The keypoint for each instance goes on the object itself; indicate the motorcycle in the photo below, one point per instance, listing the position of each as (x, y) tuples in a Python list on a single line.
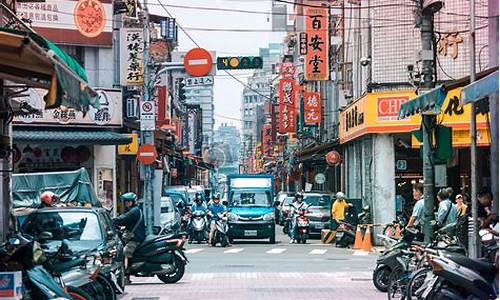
[(198, 226), (302, 222), (162, 256), (221, 228), (185, 220), (20, 253)]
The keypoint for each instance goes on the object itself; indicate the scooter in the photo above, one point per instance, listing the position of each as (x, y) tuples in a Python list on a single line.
[(302, 225), (221, 226), (198, 226), (161, 256)]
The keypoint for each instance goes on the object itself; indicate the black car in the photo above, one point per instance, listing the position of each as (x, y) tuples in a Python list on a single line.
[(83, 229)]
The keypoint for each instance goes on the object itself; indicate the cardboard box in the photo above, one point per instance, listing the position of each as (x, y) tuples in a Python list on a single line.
[(11, 284)]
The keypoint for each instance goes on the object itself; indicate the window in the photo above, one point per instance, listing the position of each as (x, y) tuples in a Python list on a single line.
[(250, 199)]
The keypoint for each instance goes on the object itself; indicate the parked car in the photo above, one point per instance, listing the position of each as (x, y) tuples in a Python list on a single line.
[(179, 189), (284, 200), (170, 218), (84, 230), (319, 210)]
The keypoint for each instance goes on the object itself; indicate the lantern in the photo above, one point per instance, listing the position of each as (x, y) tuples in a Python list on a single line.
[(333, 158)]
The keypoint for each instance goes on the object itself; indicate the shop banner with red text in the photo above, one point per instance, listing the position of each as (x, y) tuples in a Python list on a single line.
[(287, 106), (317, 44), (312, 108)]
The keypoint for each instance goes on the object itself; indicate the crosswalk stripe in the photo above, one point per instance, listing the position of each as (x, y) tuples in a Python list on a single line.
[(191, 251), (234, 250), (276, 250), (318, 251)]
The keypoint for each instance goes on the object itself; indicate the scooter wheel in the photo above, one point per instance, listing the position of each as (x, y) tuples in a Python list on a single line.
[(77, 293), (176, 275)]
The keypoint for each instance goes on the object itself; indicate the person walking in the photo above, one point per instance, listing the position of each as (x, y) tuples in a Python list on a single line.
[(447, 212)]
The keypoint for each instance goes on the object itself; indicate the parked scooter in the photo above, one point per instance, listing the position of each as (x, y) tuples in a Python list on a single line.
[(198, 226), (221, 226), (20, 253), (161, 256)]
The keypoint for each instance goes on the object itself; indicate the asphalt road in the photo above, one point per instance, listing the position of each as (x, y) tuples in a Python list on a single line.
[(258, 270)]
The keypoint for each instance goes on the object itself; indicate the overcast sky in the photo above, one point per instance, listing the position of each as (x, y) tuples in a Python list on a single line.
[(227, 90)]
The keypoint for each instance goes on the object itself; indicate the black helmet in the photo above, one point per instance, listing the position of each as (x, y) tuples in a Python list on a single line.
[(299, 195), (198, 198)]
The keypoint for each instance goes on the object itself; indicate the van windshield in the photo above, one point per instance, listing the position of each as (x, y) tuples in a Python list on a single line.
[(250, 199)]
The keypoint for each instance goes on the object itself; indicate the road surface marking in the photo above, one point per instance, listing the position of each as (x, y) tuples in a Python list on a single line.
[(360, 253), (191, 251), (235, 250), (276, 250), (318, 251)]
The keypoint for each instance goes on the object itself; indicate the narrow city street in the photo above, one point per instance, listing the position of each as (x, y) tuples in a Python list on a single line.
[(255, 270)]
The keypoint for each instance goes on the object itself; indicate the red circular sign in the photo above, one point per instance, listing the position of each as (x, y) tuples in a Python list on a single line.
[(198, 62), (90, 17), (147, 154), (333, 158)]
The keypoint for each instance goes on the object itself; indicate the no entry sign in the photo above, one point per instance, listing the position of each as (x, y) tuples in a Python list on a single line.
[(147, 154), (198, 62)]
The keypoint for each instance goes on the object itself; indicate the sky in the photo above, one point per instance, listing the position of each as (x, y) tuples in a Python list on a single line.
[(227, 90)]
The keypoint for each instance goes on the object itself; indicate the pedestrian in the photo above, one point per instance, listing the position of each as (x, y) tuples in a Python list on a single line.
[(338, 210), (460, 205), (417, 215), (447, 212), (486, 214)]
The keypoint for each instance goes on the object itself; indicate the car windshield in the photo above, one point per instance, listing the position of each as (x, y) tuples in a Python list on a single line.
[(317, 200), (251, 199), (167, 206), (79, 229)]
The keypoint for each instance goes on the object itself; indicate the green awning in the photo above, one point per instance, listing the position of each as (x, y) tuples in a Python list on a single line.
[(67, 78), (70, 137), (480, 89), (426, 103)]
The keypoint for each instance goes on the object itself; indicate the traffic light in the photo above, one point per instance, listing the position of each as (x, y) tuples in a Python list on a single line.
[(239, 62), (181, 92)]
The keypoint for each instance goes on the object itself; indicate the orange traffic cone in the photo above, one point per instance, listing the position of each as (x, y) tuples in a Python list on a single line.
[(367, 241), (398, 232), (359, 239)]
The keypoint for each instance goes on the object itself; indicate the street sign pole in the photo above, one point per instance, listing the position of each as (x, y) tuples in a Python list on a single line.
[(147, 136)]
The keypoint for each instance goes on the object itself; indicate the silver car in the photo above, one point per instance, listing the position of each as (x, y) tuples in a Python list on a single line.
[(319, 211), (169, 216)]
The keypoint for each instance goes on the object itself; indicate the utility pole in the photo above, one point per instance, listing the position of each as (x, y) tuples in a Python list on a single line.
[(428, 120), (147, 137), (474, 240)]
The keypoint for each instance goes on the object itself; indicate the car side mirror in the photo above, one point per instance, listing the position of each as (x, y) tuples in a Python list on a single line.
[(45, 235)]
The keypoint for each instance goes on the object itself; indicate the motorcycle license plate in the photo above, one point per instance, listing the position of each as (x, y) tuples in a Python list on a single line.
[(250, 232)]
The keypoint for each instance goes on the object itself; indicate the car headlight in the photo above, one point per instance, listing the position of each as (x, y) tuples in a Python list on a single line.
[(268, 217), (233, 217)]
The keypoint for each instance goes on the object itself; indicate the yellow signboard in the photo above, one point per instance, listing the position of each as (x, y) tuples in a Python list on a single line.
[(129, 149), (378, 113), (461, 138)]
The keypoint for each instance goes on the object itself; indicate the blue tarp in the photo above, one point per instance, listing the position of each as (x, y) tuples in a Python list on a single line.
[(428, 102), (480, 89)]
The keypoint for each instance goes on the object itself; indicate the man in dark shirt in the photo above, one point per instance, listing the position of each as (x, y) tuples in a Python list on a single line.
[(485, 212), (133, 220)]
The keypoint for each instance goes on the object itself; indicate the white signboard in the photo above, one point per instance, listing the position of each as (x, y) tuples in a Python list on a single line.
[(108, 114), (199, 81), (147, 116), (131, 56)]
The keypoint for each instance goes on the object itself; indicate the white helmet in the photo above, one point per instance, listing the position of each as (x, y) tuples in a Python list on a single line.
[(340, 195)]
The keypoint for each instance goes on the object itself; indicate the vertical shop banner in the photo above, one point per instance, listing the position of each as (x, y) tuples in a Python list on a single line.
[(317, 44), (287, 106), (132, 56), (312, 108), (267, 140)]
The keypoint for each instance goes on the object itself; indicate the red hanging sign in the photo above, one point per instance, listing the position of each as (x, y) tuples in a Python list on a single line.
[(267, 140), (287, 106), (312, 108), (316, 39)]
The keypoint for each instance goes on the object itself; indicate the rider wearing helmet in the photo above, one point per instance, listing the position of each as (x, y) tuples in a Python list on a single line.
[(198, 205), (296, 206), (338, 210), (48, 199), (214, 210), (133, 220)]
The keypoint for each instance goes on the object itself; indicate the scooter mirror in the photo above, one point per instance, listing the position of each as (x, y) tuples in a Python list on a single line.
[(45, 235)]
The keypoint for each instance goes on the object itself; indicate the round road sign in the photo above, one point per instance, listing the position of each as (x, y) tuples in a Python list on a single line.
[(320, 178), (147, 154), (198, 62)]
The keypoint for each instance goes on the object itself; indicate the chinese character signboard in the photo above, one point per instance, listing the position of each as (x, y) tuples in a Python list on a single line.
[(267, 140), (287, 106), (312, 108), (132, 56), (317, 44), (83, 22)]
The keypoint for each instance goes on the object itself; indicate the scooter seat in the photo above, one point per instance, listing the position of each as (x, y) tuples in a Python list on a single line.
[(480, 266)]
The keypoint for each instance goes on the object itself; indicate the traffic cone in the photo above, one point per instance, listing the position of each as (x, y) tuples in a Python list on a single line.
[(398, 232), (367, 241), (358, 241)]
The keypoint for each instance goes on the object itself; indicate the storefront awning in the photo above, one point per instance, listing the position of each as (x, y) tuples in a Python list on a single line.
[(426, 103), (480, 89), (28, 58), (71, 137)]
